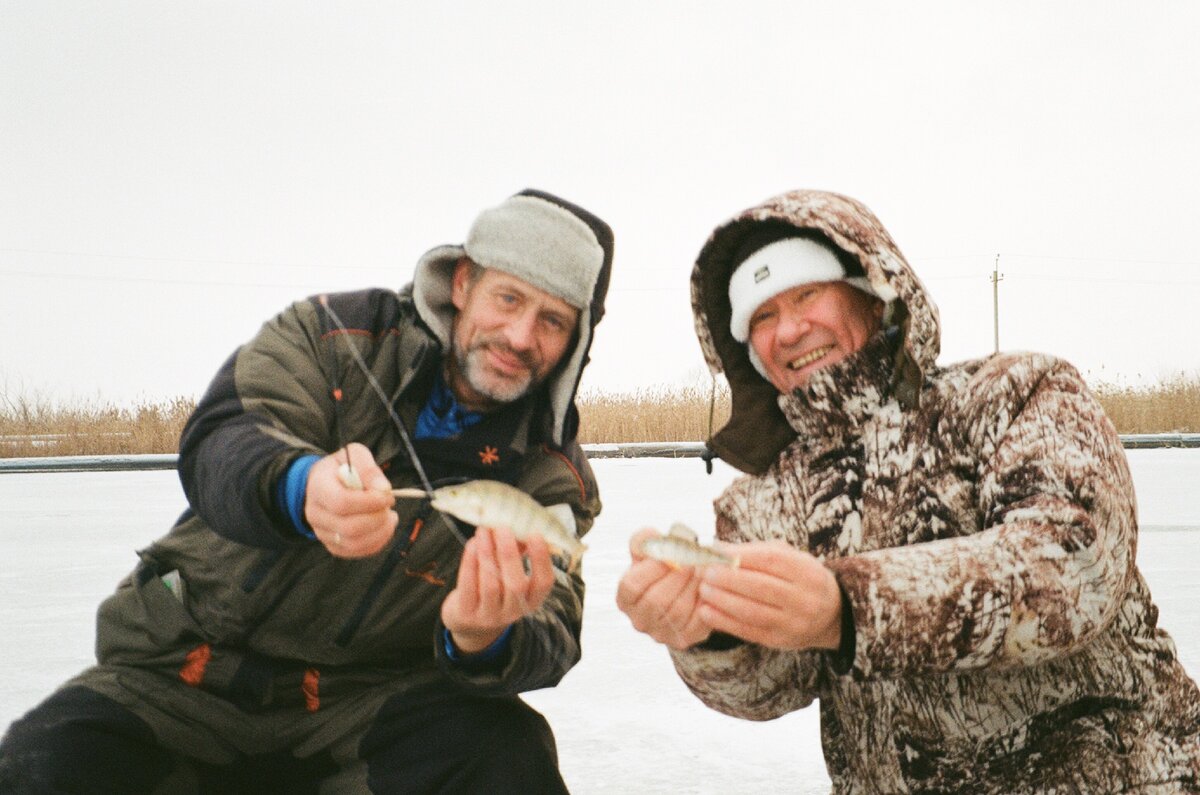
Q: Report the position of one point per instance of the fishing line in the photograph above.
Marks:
(448, 520)
(339, 418)
(383, 398)
(396, 421)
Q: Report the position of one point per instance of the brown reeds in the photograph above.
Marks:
(1172, 406)
(654, 414)
(660, 413)
(31, 428)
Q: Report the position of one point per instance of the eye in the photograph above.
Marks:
(555, 323)
(760, 317)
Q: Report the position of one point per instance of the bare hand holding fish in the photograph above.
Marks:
(493, 589)
(779, 597)
(350, 522)
(491, 503)
(662, 598)
(680, 547)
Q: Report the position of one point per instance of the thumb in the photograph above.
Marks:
(362, 462)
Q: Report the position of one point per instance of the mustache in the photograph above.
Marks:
(527, 358)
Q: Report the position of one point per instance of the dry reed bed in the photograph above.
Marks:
(654, 414)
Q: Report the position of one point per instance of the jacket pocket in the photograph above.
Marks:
(146, 619)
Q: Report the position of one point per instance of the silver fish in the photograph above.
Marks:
(490, 503)
(680, 547)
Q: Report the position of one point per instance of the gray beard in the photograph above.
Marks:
(471, 366)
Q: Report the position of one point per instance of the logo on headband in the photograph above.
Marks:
(762, 273)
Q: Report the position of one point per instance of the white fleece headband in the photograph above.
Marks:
(781, 266)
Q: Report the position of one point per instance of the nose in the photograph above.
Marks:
(792, 326)
(521, 331)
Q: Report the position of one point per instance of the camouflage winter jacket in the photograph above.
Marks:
(980, 520)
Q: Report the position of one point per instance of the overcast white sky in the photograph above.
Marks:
(172, 174)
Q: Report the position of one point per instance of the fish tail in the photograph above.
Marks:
(575, 558)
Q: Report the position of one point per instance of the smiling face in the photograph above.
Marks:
(507, 336)
(810, 326)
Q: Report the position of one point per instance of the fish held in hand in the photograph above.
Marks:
(680, 547)
(491, 503)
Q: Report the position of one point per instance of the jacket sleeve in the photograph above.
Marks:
(267, 405)
(545, 645)
(1054, 553)
(740, 678)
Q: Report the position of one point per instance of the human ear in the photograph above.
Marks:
(460, 284)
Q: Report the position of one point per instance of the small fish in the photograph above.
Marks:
(490, 503)
(680, 547)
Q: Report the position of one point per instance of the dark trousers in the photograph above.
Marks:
(433, 741)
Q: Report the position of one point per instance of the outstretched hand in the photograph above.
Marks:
(778, 596)
(494, 590)
(350, 522)
(660, 600)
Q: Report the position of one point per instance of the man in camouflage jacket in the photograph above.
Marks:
(293, 633)
(942, 556)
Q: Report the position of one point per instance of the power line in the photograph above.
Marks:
(91, 277)
(1181, 263)
(1090, 279)
(190, 260)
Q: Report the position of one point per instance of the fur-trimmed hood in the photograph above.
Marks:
(757, 429)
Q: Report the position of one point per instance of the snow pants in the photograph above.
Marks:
(132, 731)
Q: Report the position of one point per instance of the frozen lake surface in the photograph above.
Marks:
(623, 721)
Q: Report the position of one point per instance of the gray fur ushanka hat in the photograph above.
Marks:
(547, 242)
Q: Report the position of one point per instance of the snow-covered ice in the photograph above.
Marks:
(623, 720)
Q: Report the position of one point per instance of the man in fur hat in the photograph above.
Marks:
(942, 556)
(299, 629)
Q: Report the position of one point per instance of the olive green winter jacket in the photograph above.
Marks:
(236, 601)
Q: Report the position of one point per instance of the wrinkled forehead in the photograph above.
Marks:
(493, 281)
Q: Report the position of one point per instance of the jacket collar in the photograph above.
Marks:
(844, 395)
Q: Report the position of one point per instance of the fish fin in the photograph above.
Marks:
(680, 530)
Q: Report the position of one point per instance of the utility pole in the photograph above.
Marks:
(996, 279)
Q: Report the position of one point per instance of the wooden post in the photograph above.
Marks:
(996, 277)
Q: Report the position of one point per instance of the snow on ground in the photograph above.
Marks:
(623, 720)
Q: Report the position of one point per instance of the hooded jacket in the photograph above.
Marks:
(234, 600)
(980, 521)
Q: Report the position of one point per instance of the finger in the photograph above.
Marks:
(765, 556)
(541, 572)
(328, 496)
(511, 572)
(467, 584)
(362, 461)
(742, 610)
(681, 610)
(722, 622)
(637, 580)
(360, 529)
(635, 541)
(489, 583)
(662, 607)
(360, 546)
(758, 586)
